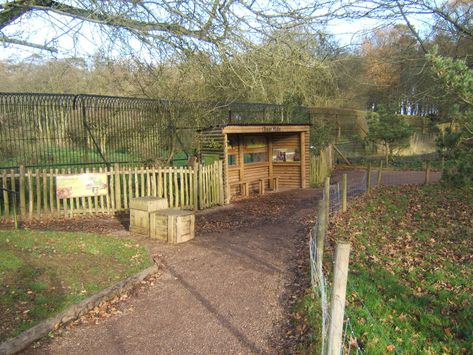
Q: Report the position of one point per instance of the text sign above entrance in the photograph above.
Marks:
(271, 129)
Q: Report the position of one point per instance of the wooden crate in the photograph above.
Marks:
(172, 225)
(140, 209)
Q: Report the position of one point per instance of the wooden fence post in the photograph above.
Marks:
(220, 181)
(320, 236)
(368, 177)
(427, 173)
(15, 215)
(13, 196)
(110, 172)
(22, 191)
(201, 188)
(6, 207)
(344, 192)
(195, 186)
(337, 304)
(380, 172)
(327, 197)
(30, 195)
(118, 191)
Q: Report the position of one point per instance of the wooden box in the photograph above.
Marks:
(172, 225)
(140, 209)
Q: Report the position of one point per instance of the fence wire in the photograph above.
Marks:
(357, 185)
(318, 278)
(49, 130)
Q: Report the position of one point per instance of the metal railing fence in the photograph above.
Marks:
(65, 130)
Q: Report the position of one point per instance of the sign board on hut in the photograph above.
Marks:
(81, 185)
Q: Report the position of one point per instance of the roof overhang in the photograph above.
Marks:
(265, 128)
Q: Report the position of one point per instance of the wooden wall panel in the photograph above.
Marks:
(307, 158)
(287, 140)
(289, 175)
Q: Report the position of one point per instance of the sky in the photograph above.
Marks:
(345, 33)
(83, 40)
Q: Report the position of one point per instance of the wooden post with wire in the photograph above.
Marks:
(320, 235)
(368, 177)
(337, 304)
(380, 172)
(344, 192)
(427, 173)
(327, 198)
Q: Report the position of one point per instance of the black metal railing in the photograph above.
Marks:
(49, 130)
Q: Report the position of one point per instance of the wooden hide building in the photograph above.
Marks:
(259, 156)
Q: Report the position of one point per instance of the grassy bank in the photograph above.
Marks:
(42, 273)
(411, 273)
(410, 288)
(413, 162)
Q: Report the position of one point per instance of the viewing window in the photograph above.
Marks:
(254, 142)
(255, 149)
(232, 160)
(286, 155)
(255, 157)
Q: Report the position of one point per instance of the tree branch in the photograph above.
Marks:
(411, 28)
(19, 42)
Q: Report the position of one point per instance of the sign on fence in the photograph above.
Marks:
(81, 185)
(70, 191)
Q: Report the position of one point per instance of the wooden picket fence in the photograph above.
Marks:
(195, 187)
(321, 166)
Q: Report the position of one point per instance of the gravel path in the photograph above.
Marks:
(228, 291)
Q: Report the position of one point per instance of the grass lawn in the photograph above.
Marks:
(42, 273)
(411, 270)
(410, 283)
(414, 162)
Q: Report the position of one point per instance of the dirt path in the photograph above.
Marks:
(228, 291)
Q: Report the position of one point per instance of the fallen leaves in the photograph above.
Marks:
(419, 242)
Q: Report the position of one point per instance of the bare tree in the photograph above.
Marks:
(156, 25)
(452, 16)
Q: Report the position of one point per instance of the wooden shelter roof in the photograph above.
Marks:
(260, 127)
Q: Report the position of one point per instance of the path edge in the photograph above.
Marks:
(21, 341)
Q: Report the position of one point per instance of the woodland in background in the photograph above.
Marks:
(310, 69)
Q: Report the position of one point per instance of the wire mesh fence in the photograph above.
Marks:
(57, 130)
(39, 130)
(46, 130)
(359, 182)
(318, 278)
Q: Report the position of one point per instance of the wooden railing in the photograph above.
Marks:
(196, 187)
